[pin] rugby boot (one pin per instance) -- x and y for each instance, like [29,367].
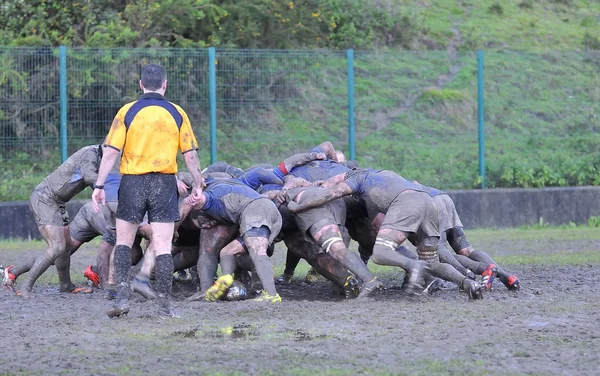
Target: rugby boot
[513,283]
[92,276]
[489,275]
[219,288]
[142,286]
[120,308]
[284,278]
[416,278]
[435,284]
[369,288]
[82,290]
[182,276]
[110,294]
[351,287]
[474,289]
[165,311]
[265,297]
[8,279]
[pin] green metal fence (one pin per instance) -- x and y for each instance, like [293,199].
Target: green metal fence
[414,112]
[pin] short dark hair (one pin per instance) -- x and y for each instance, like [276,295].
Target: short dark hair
[153,76]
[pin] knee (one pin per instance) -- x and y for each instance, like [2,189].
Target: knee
[465,251]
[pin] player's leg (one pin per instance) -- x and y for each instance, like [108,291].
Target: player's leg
[330,240]
[458,240]
[257,242]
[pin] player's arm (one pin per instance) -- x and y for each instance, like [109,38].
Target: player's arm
[115,140]
[320,197]
[297,160]
[271,195]
[291,182]
[334,180]
[188,147]
[327,148]
[89,167]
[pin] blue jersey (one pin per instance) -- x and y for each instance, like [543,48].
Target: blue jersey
[111,186]
[258,177]
[227,199]
[432,191]
[318,170]
[378,188]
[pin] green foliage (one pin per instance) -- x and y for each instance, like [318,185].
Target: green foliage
[496,8]
[594,221]
[198,23]
[591,42]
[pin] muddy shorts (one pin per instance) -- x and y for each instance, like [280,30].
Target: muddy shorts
[332,213]
[154,193]
[88,223]
[261,212]
[46,210]
[413,213]
[110,233]
[447,213]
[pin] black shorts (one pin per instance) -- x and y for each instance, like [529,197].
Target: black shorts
[154,193]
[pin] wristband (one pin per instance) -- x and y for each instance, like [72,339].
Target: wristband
[282,168]
[96,186]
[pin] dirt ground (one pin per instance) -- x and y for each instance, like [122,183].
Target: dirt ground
[551,326]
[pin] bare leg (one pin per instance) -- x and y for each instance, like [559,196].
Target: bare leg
[103,261]
[257,248]
[427,250]
[56,238]
[212,240]
[122,260]
[323,263]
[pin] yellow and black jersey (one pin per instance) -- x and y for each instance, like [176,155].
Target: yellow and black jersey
[149,132]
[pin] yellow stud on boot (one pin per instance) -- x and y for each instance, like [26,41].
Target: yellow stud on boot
[219,288]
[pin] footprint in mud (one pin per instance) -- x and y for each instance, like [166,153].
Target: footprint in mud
[248,332]
[228,332]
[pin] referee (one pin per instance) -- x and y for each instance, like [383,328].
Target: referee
[148,132]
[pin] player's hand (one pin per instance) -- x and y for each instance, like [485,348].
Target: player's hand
[293,206]
[282,196]
[319,156]
[195,197]
[98,197]
[182,188]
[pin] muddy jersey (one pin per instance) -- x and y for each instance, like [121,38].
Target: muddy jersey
[73,176]
[258,177]
[378,188]
[318,170]
[227,199]
[432,191]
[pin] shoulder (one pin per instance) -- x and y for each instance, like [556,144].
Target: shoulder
[126,107]
[178,108]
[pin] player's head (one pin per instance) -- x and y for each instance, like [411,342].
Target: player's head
[154,78]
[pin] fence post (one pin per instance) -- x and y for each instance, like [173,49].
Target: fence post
[62,61]
[212,94]
[351,140]
[480,117]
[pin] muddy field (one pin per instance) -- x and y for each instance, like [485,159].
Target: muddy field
[551,326]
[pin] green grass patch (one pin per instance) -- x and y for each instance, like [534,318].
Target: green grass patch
[558,259]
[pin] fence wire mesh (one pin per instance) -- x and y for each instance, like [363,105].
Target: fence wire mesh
[415,112]
[271,104]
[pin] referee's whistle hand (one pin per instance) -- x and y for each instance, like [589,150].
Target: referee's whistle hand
[98,198]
